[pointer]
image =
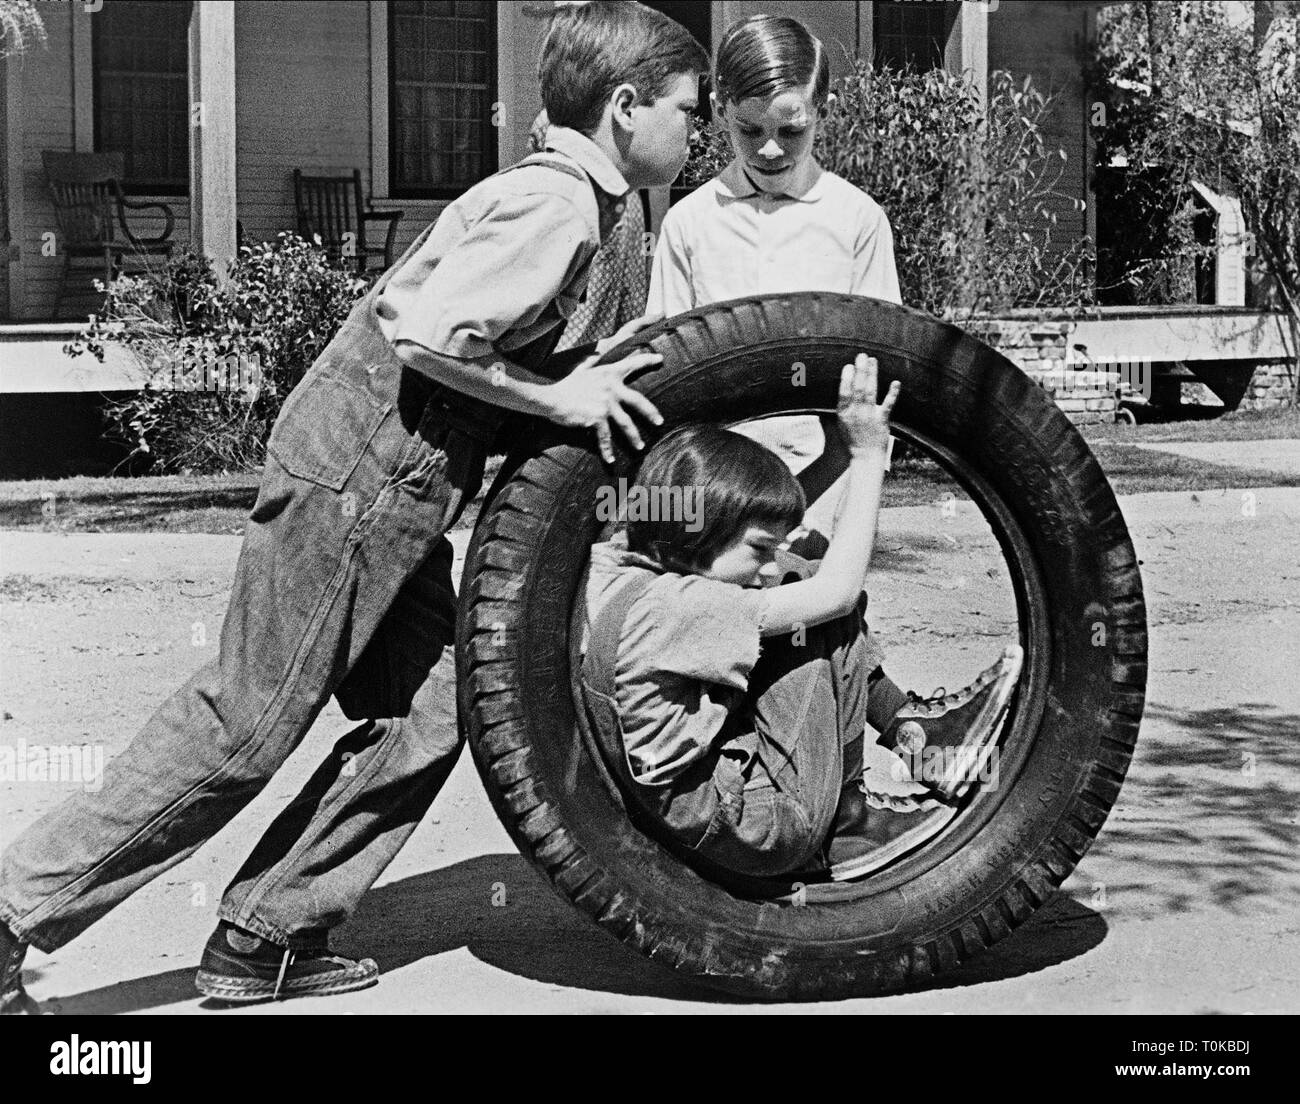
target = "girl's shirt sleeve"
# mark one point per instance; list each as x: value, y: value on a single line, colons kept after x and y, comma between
x: 701, y: 628
x: 685, y: 657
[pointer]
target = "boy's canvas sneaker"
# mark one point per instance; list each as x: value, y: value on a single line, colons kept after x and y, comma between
x: 238, y: 966
x: 14, y: 1000
x: 872, y: 830
x: 946, y: 740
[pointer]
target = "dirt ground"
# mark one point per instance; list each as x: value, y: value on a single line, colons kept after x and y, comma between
x: 1188, y: 901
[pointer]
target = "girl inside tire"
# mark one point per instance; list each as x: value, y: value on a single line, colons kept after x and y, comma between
x: 752, y: 761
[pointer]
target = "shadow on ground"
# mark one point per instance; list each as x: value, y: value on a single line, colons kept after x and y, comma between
x: 534, y: 935
x: 124, y: 510
x: 1210, y: 813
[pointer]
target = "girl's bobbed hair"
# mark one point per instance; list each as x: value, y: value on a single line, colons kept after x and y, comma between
x: 766, y: 54
x: 732, y: 482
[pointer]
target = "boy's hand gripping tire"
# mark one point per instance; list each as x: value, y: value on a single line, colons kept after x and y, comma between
x: 1069, y: 737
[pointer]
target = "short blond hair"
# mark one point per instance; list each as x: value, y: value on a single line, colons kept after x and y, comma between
x: 766, y: 54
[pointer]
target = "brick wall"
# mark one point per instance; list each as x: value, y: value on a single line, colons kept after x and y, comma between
x: 1040, y: 348
x: 1047, y: 41
x: 1271, y: 386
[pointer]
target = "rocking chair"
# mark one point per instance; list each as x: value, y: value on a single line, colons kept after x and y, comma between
x: 90, y: 211
x: 332, y: 207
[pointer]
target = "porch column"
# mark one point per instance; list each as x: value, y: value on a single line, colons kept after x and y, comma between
x: 11, y: 146
x: 968, y: 45
x: 212, y: 131
x: 866, y: 24
x: 967, y: 53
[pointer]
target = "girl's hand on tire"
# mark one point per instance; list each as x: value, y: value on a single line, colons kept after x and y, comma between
x: 595, y: 395
x: 864, y: 425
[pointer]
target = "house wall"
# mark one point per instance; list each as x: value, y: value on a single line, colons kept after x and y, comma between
x: 306, y: 80
x: 304, y: 91
x: 1047, y: 41
x: 49, y: 82
x: 302, y: 95
x: 4, y: 188
x: 44, y: 106
x: 520, y: 94
x: 310, y: 82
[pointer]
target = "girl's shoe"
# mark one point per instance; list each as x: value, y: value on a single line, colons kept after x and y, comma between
x: 238, y: 966
x: 946, y: 739
x: 888, y: 779
x: 871, y: 831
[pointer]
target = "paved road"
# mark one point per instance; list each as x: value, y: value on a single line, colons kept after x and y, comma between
x: 1281, y: 455
x: 1188, y: 901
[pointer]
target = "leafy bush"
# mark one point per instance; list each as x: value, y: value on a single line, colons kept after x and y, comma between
x: 280, y: 307
x: 20, y: 25
x: 971, y: 195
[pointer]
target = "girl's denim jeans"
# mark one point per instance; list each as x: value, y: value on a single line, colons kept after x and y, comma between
x: 762, y: 800
x: 777, y: 782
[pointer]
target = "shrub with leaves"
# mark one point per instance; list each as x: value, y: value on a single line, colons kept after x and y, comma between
x: 972, y: 196
x: 20, y: 25
x: 280, y: 307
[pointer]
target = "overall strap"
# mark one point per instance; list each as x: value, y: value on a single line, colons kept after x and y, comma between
x: 606, y: 631
x: 598, y: 687
x: 563, y: 164
x: 551, y: 161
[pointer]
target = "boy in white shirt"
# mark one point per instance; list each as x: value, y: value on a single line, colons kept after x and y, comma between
x: 775, y: 221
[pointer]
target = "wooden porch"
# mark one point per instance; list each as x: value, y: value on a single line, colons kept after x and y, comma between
x: 252, y: 92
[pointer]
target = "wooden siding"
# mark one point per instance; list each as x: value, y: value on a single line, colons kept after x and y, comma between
x: 302, y: 100
x: 5, y: 208
x: 302, y: 94
x: 48, y: 113
x: 1048, y: 43
x: 46, y: 109
x: 521, y: 39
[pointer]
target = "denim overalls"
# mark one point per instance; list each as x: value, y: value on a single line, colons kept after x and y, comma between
x: 344, y: 568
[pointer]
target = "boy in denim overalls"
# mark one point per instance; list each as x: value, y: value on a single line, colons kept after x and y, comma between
x: 343, y: 584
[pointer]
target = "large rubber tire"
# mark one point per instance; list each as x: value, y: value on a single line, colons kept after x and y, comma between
x: 1067, y: 743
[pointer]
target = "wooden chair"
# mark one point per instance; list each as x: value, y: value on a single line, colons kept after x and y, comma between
x: 332, y: 207
x: 90, y: 211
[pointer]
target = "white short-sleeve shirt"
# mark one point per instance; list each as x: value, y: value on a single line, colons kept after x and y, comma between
x: 726, y: 240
